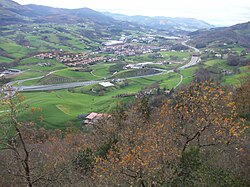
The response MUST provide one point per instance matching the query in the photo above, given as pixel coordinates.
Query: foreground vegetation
(196, 136)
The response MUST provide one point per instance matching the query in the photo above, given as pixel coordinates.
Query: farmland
(54, 54)
(60, 107)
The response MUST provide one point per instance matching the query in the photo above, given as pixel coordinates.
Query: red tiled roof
(92, 115)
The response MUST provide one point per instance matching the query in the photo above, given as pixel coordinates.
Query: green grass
(236, 79)
(233, 79)
(28, 74)
(40, 44)
(248, 55)
(101, 70)
(132, 73)
(31, 82)
(76, 44)
(83, 76)
(13, 49)
(238, 49)
(188, 72)
(30, 60)
(33, 60)
(179, 55)
(169, 55)
(219, 62)
(166, 67)
(32, 64)
(5, 59)
(52, 38)
(165, 80)
(60, 107)
(41, 69)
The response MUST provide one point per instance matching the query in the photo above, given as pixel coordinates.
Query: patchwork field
(60, 108)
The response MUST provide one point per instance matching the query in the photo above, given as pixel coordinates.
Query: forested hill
(236, 34)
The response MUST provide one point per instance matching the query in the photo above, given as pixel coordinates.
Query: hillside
(238, 34)
(167, 23)
(14, 13)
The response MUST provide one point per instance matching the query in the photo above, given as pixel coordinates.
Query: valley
(74, 69)
(70, 61)
(128, 93)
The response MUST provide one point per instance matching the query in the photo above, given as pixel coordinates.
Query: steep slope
(238, 34)
(168, 23)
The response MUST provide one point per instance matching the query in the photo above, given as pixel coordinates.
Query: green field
(61, 107)
(5, 59)
(61, 72)
(236, 79)
(101, 70)
(28, 74)
(13, 49)
(237, 72)
(188, 74)
(217, 62)
(81, 76)
(43, 38)
(169, 55)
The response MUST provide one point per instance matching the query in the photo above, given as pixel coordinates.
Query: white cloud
(214, 11)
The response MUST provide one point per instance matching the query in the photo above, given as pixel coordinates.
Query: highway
(55, 86)
(74, 84)
(189, 46)
(194, 60)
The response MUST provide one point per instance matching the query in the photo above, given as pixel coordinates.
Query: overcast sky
(217, 12)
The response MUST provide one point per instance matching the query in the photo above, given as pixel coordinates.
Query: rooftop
(106, 84)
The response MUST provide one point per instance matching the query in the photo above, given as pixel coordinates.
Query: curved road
(194, 60)
(29, 79)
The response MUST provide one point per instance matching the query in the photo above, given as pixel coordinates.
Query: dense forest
(194, 136)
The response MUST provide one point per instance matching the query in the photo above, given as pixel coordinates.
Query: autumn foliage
(180, 143)
(204, 114)
(148, 153)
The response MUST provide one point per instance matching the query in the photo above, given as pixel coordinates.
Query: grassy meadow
(60, 108)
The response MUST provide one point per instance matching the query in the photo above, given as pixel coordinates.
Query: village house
(93, 117)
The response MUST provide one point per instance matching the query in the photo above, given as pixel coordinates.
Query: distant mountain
(238, 34)
(13, 13)
(167, 23)
(44, 13)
